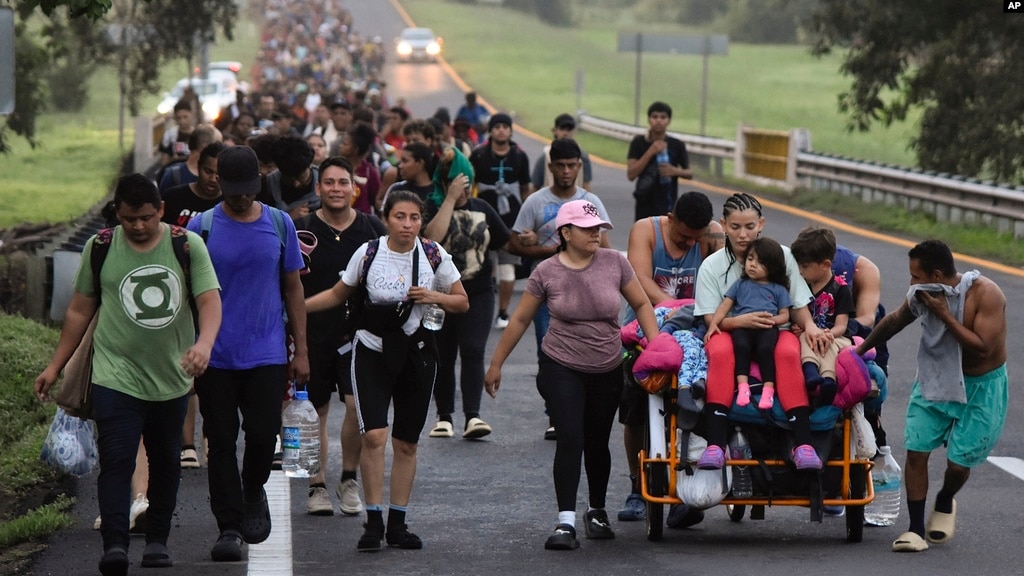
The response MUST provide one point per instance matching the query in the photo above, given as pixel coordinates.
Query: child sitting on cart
(814, 249)
(763, 287)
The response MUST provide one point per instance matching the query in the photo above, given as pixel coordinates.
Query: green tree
(147, 35)
(957, 62)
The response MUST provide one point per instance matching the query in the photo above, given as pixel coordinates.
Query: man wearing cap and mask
(341, 120)
(258, 269)
(292, 187)
(503, 180)
(565, 127)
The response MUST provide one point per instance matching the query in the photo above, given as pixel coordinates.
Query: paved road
(486, 507)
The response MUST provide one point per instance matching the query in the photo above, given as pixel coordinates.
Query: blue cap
(301, 395)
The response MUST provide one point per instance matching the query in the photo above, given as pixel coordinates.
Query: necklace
(337, 233)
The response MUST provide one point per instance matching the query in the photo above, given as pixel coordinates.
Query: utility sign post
(706, 46)
(6, 60)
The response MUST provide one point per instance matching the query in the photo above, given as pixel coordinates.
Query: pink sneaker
(713, 458)
(767, 398)
(805, 458)
(743, 395)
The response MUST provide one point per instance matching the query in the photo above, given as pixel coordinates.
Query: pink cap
(580, 213)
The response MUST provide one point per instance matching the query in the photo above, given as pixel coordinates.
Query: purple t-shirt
(584, 305)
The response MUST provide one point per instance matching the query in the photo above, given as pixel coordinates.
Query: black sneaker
(370, 540)
(564, 538)
(256, 520)
(228, 547)
(402, 538)
(156, 555)
(597, 526)
(275, 464)
(114, 562)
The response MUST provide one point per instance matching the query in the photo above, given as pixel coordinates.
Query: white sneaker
(319, 502)
(348, 495)
(98, 523)
(501, 322)
(443, 429)
(189, 458)
(476, 428)
(137, 514)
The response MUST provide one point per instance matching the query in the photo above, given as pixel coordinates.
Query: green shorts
(970, 430)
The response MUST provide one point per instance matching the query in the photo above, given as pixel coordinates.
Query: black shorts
(633, 404)
(377, 386)
(328, 372)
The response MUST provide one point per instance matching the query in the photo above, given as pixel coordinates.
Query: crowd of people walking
(325, 223)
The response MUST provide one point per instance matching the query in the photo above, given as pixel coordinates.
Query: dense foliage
(140, 36)
(958, 62)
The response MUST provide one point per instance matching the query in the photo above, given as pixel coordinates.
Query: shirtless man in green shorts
(960, 394)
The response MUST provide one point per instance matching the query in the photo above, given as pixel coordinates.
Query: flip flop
(940, 526)
(909, 542)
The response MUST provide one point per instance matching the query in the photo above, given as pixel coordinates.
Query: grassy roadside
(32, 503)
(521, 64)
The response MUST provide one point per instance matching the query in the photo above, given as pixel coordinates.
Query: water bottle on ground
(662, 158)
(301, 438)
(739, 449)
(887, 478)
(433, 316)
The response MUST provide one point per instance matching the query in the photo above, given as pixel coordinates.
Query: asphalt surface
(486, 507)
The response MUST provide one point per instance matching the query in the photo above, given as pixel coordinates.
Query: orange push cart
(846, 480)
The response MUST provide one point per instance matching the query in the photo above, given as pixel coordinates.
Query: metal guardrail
(948, 198)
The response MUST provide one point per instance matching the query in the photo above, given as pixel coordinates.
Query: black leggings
(582, 408)
(465, 336)
(757, 345)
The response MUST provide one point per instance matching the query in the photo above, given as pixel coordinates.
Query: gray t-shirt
(584, 305)
(540, 209)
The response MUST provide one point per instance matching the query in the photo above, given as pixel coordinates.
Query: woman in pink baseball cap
(580, 373)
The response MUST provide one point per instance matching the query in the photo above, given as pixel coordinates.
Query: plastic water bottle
(739, 449)
(887, 478)
(301, 438)
(433, 316)
(662, 158)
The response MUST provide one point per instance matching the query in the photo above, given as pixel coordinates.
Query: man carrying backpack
(256, 254)
(145, 355)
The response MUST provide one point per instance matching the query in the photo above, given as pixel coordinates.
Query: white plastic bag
(704, 488)
(70, 446)
(862, 437)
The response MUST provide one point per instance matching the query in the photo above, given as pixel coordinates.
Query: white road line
(1014, 466)
(274, 556)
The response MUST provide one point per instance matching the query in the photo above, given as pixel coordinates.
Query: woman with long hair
(743, 223)
(395, 359)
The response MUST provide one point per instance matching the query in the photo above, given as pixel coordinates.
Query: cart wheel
(657, 485)
(736, 511)
(855, 514)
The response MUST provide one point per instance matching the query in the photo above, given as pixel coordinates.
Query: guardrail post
(144, 145)
(739, 162)
(799, 141)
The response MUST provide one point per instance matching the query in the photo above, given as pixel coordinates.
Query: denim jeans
(258, 394)
(121, 420)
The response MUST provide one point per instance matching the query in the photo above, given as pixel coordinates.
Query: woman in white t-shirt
(395, 359)
(743, 223)
(580, 372)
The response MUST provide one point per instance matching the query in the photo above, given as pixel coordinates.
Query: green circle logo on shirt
(151, 296)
